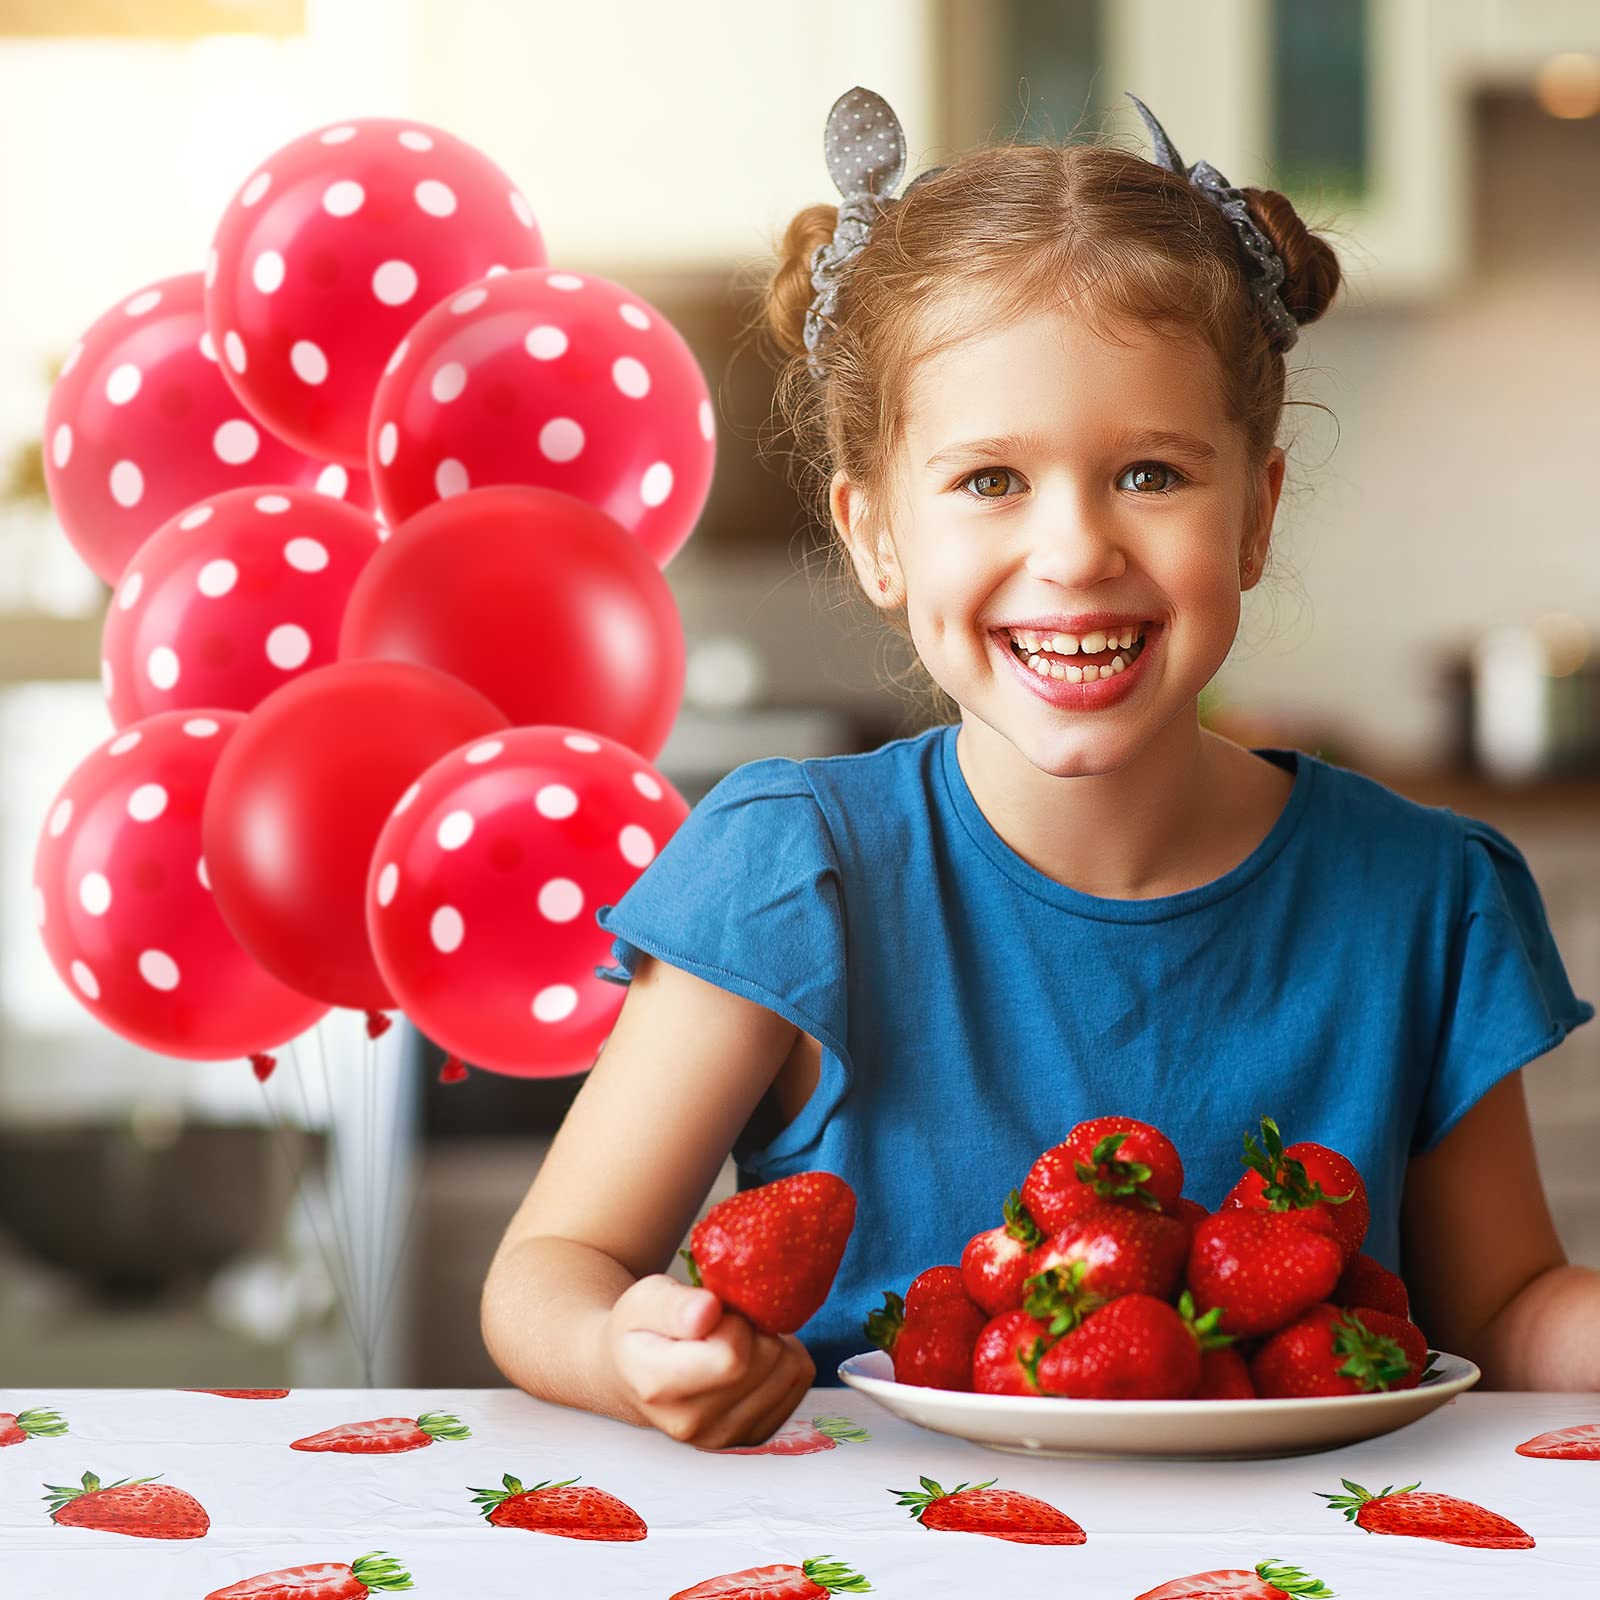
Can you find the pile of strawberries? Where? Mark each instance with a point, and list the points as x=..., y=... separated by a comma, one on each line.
x=1104, y=1282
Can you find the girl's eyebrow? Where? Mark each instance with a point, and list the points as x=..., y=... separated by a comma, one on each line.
x=1019, y=444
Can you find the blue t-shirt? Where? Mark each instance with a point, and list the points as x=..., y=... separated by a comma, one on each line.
x=1363, y=977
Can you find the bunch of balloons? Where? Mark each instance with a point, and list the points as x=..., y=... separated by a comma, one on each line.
x=384, y=501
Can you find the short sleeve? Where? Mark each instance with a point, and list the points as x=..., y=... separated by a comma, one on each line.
x=747, y=895
x=1507, y=995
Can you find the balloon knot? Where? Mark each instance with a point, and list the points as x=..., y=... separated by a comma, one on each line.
x=452, y=1071
x=263, y=1066
x=378, y=1024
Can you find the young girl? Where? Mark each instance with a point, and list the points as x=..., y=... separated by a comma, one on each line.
x=1045, y=385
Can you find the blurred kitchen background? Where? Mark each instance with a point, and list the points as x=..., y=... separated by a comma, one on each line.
x=1430, y=615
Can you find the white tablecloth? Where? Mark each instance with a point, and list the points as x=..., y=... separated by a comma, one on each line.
x=708, y=1514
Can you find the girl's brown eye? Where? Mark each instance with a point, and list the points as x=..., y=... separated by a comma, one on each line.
x=996, y=475
x=1145, y=468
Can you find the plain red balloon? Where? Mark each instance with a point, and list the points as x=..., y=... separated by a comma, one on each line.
x=297, y=802
x=538, y=600
x=123, y=899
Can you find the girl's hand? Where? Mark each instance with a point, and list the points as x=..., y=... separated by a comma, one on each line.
x=698, y=1372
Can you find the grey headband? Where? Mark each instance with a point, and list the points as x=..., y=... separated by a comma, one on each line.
x=866, y=154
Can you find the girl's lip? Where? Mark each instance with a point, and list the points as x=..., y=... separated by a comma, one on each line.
x=1081, y=696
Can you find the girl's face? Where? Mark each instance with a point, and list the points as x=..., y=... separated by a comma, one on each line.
x=1122, y=489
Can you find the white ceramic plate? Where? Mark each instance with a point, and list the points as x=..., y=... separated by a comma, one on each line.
x=1196, y=1430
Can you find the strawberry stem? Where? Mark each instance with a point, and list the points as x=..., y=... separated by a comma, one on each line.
x=834, y=1576
x=488, y=1499
x=918, y=1503
x=1206, y=1333
x=41, y=1424
x=378, y=1570
x=694, y=1270
x=1019, y=1223
x=441, y=1425
x=883, y=1326
x=841, y=1429
x=1286, y=1184
x=1058, y=1295
x=1374, y=1360
x=1109, y=1177
x=1352, y=1503
x=1292, y=1580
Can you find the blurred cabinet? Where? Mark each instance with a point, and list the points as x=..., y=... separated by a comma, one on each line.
x=1359, y=110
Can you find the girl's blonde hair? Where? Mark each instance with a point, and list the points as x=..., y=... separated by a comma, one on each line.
x=1003, y=232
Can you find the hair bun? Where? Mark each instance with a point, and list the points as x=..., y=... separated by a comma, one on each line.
x=789, y=291
x=1311, y=269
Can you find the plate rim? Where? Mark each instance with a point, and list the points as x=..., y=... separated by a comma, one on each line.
x=1062, y=1405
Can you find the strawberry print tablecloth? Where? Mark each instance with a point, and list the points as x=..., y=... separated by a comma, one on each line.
x=488, y=1492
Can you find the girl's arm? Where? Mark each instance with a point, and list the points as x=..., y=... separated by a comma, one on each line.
x=1488, y=1277
x=577, y=1306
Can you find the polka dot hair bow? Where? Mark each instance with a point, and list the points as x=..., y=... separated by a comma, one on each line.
x=1268, y=274
x=866, y=155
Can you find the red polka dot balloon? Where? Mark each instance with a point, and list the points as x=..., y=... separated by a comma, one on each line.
x=141, y=423
x=124, y=903
x=230, y=599
x=484, y=885
x=329, y=252
x=562, y=380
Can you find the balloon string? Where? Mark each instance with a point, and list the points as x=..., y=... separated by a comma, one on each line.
x=337, y=1139
x=298, y=1172
x=390, y=1259
x=403, y=1237
x=369, y=1065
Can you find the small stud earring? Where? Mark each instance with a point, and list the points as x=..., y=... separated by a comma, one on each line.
x=1250, y=563
x=883, y=582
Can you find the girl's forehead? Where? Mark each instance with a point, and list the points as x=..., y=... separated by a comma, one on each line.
x=1055, y=364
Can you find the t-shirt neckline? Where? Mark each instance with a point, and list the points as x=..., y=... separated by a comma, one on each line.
x=1159, y=908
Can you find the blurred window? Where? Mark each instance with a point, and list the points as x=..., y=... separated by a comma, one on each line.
x=1319, y=95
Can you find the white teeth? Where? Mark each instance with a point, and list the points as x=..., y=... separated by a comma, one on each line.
x=1076, y=674
x=1065, y=644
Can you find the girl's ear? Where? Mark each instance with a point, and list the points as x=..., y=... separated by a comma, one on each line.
x=873, y=559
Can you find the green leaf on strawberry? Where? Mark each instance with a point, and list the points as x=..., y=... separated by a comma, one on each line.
x=1205, y=1330
x=1111, y=1178
x=379, y=1571
x=1019, y=1224
x=1058, y=1294
x=1286, y=1185
x=834, y=1576
x=1291, y=1580
x=883, y=1326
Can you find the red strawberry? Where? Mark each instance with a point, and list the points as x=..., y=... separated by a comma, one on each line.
x=1224, y=1375
x=1428, y=1516
x=1006, y=1351
x=241, y=1394
x=586, y=1513
x=935, y=1283
x=929, y=1341
x=1365, y=1282
x=1119, y=1251
x=1580, y=1443
x=140, y=1507
x=1136, y=1348
x=995, y=1262
x=818, y=1576
x=1269, y=1580
x=771, y=1252
x=799, y=1438
x=1105, y=1158
x=17, y=1427
x=999, y=1513
x=386, y=1435
x=1304, y=1177
x=1189, y=1212
x=322, y=1580
x=1330, y=1351
x=1262, y=1267
x=1404, y=1332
